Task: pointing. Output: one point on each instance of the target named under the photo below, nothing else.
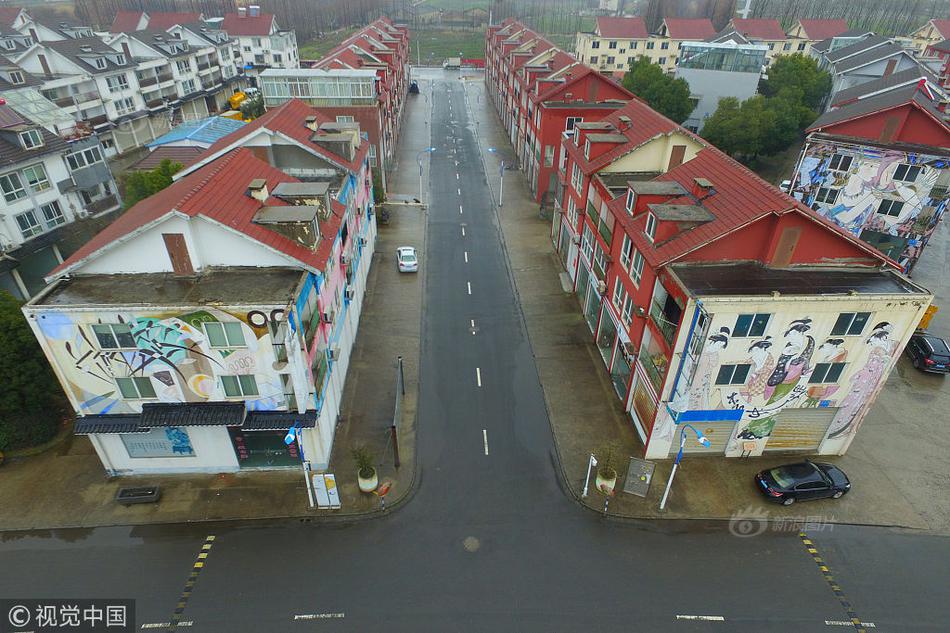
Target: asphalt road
(489, 542)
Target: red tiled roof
(8, 15)
(760, 29)
(126, 21)
(218, 192)
(167, 19)
(689, 28)
(629, 28)
(573, 76)
(184, 155)
(289, 119)
(234, 24)
(942, 26)
(823, 29)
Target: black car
(413, 88)
(802, 481)
(929, 353)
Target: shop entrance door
(263, 449)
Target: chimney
(311, 122)
(625, 122)
(242, 12)
(254, 10)
(702, 189)
(257, 189)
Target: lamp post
(501, 177)
(702, 439)
(427, 150)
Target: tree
(31, 404)
(798, 72)
(252, 107)
(668, 96)
(142, 184)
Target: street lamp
(427, 150)
(702, 439)
(501, 176)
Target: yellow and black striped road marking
(835, 587)
(190, 583)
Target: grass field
(317, 48)
(436, 45)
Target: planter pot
(606, 484)
(368, 484)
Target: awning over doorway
(107, 424)
(278, 420)
(193, 414)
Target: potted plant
(365, 468)
(606, 472)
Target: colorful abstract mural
(893, 200)
(168, 357)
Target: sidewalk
(66, 486)
(896, 482)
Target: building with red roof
(128, 21)
(541, 92)
(663, 47)
(215, 315)
(876, 163)
(807, 32)
(717, 300)
(261, 43)
(934, 31)
(374, 62)
(765, 31)
(613, 43)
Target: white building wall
(213, 453)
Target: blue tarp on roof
(205, 131)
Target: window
(572, 121)
(549, 156)
(99, 62)
(31, 139)
(136, 388)
(247, 49)
(826, 195)
(907, 173)
(12, 187)
(850, 323)
(114, 335)
(84, 158)
(826, 372)
(733, 374)
(650, 46)
(787, 46)
(52, 214)
(35, 176)
(577, 178)
(637, 271)
(631, 200)
(633, 46)
(626, 315)
(227, 334)
(277, 58)
(372, 154)
(16, 77)
(187, 87)
(28, 224)
(239, 386)
(587, 149)
(119, 59)
(626, 252)
(612, 44)
(595, 44)
(611, 60)
(117, 82)
(572, 212)
(891, 208)
(125, 106)
(751, 325)
(651, 226)
(184, 66)
(257, 42)
(771, 46)
(839, 162)
(344, 118)
(664, 46)
(801, 46)
(661, 61)
(587, 243)
(620, 294)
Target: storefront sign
(172, 441)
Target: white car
(785, 186)
(406, 259)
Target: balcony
(148, 81)
(654, 366)
(96, 121)
(104, 204)
(204, 65)
(664, 321)
(163, 77)
(64, 102)
(154, 104)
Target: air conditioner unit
(333, 353)
(641, 311)
(349, 293)
(327, 317)
(601, 287)
(82, 213)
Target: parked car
(406, 259)
(413, 88)
(929, 353)
(786, 185)
(801, 482)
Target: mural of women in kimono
(864, 382)
(763, 364)
(831, 351)
(708, 363)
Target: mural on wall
(863, 178)
(172, 351)
(762, 381)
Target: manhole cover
(471, 544)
